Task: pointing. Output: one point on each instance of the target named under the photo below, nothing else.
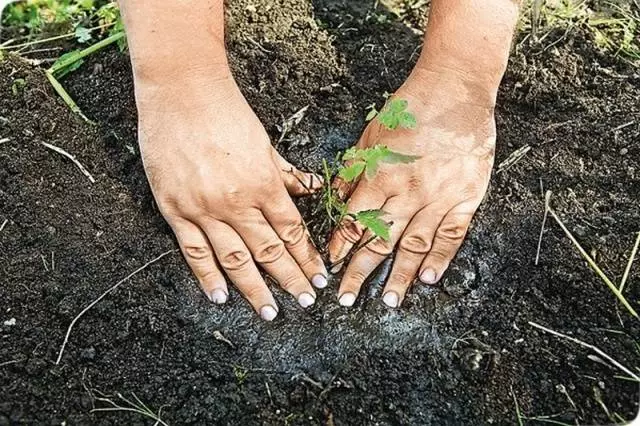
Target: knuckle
(235, 260)
(196, 253)
(415, 243)
(289, 283)
(270, 252)
(350, 231)
(293, 233)
(401, 278)
(254, 292)
(380, 247)
(356, 276)
(452, 232)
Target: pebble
(624, 151)
(10, 322)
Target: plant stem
(86, 52)
(66, 97)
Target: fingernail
(268, 313)
(218, 296)
(347, 299)
(428, 276)
(336, 268)
(319, 281)
(391, 299)
(305, 300)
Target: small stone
(88, 353)
(624, 151)
(10, 322)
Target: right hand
(224, 191)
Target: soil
(462, 353)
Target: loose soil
(462, 353)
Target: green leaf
(398, 158)
(82, 34)
(372, 114)
(352, 172)
(388, 119)
(352, 153)
(407, 120)
(397, 105)
(370, 219)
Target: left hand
(431, 201)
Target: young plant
(358, 161)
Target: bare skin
(452, 92)
(226, 192)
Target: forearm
(175, 40)
(471, 38)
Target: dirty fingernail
(218, 296)
(428, 276)
(268, 313)
(305, 300)
(336, 268)
(391, 299)
(347, 299)
(319, 281)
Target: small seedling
(356, 161)
(18, 86)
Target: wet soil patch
(457, 354)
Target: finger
(270, 252)
(286, 221)
(298, 183)
(368, 257)
(413, 247)
(349, 232)
(447, 241)
(342, 188)
(200, 258)
(235, 258)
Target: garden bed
(463, 353)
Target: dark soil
(458, 354)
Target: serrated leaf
(397, 105)
(350, 154)
(388, 120)
(371, 220)
(82, 34)
(407, 120)
(352, 172)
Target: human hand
(224, 191)
(429, 202)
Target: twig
(627, 270)
(588, 346)
(102, 296)
(14, 361)
(4, 224)
(515, 156)
(547, 198)
(4, 140)
(589, 260)
(7, 45)
(622, 126)
(72, 158)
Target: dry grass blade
(72, 158)
(102, 296)
(588, 346)
(588, 258)
(627, 270)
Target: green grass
(615, 26)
